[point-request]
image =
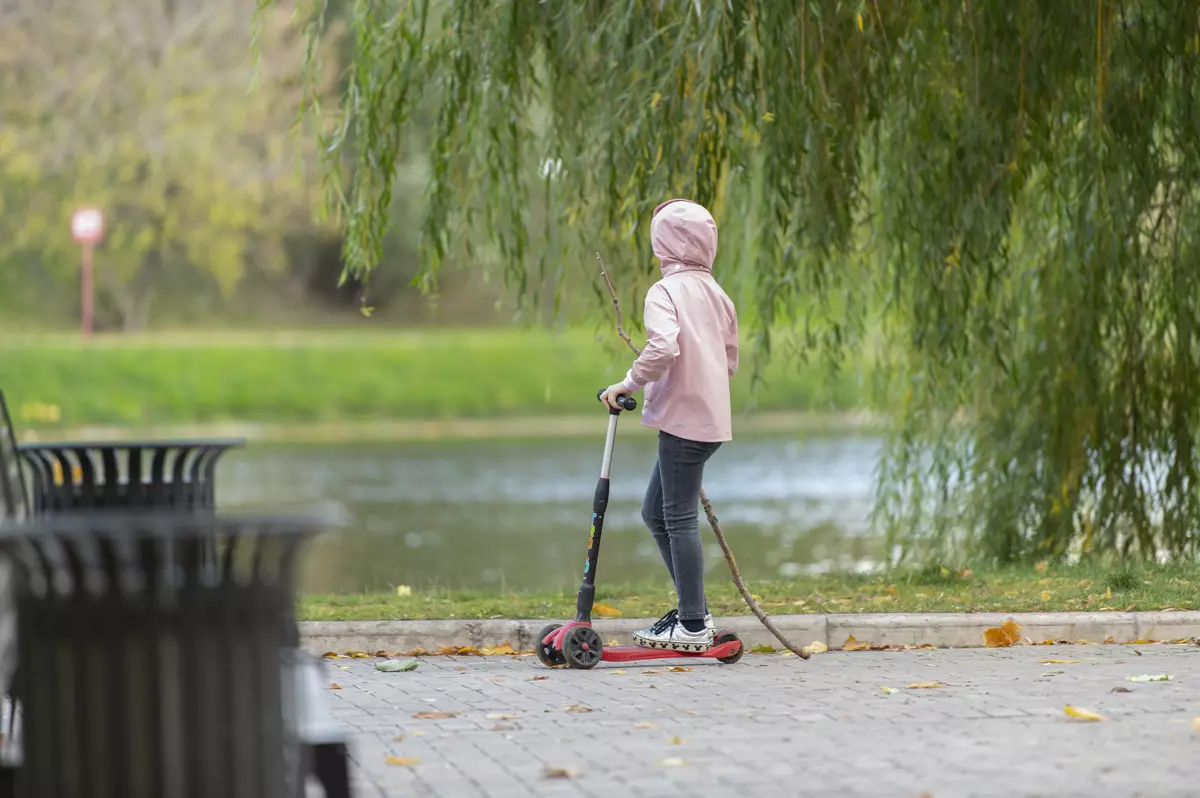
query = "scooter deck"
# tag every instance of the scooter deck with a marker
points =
(635, 653)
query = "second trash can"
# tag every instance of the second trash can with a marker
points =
(152, 669)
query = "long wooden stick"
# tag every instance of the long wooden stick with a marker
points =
(704, 502)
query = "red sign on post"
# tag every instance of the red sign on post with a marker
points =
(87, 227)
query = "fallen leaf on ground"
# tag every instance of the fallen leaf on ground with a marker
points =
(1146, 677)
(1082, 714)
(399, 738)
(332, 655)
(1058, 661)
(417, 733)
(1109, 640)
(1120, 690)
(493, 651)
(672, 762)
(649, 673)
(501, 716)
(335, 686)
(816, 647)
(617, 672)
(675, 741)
(396, 665)
(578, 708)
(761, 649)
(461, 668)
(605, 611)
(644, 725)
(401, 761)
(1053, 673)
(1002, 636)
(359, 655)
(786, 654)
(613, 642)
(343, 668)
(462, 651)
(417, 652)
(854, 645)
(561, 773)
(436, 715)
(925, 685)
(1196, 725)
(677, 668)
(502, 728)
(890, 690)
(539, 678)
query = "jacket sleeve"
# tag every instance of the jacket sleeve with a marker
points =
(662, 340)
(731, 342)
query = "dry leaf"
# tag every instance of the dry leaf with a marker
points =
(399, 738)
(925, 685)
(359, 654)
(1196, 725)
(1109, 640)
(762, 649)
(335, 686)
(644, 725)
(649, 673)
(786, 654)
(343, 668)
(1002, 636)
(618, 672)
(332, 655)
(675, 741)
(1012, 629)
(561, 773)
(436, 715)
(815, 647)
(677, 668)
(1146, 677)
(416, 652)
(500, 716)
(578, 708)
(672, 762)
(417, 734)
(1058, 661)
(890, 690)
(1120, 690)
(1082, 714)
(539, 678)
(401, 761)
(605, 611)
(493, 651)
(854, 645)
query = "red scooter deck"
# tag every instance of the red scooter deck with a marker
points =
(635, 653)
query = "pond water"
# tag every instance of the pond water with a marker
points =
(515, 514)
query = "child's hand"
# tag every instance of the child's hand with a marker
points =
(612, 393)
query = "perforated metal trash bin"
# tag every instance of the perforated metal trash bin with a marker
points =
(152, 670)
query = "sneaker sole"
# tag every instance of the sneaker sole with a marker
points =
(694, 648)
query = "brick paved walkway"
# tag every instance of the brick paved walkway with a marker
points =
(773, 726)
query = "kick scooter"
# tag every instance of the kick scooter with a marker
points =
(576, 643)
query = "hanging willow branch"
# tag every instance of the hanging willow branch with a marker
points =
(999, 197)
(709, 513)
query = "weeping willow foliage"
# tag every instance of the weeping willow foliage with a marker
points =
(1007, 187)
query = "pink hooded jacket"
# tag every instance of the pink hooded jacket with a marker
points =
(691, 331)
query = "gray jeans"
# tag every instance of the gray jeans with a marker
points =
(671, 511)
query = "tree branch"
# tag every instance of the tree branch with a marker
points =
(704, 502)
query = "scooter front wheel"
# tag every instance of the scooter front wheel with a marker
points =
(730, 637)
(546, 653)
(583, 647)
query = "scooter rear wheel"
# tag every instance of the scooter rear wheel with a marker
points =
(548, 654)
(729, 637)
(583, 647)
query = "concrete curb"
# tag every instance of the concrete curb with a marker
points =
(945, 630)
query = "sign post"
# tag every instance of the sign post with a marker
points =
(87, 228)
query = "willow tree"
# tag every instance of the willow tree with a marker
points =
(1007, 188)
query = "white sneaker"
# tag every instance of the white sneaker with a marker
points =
(708, 623)
(668, 633)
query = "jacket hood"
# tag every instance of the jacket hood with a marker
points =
(683, 236)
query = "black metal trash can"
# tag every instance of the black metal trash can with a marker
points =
(151, 669)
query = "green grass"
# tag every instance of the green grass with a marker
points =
(348, 376)
(1084, 588)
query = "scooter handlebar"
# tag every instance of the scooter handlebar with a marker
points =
(626, 402)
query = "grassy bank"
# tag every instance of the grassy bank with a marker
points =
(331, 377)
(1083, 588)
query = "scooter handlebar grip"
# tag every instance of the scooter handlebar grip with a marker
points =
(626, 402)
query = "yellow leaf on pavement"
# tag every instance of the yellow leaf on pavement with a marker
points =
(605, 611)
(644, 725)
(1082, 714)
(816, 647)
(402, 761)
(925, 685)
(890, 690)
(675, 741)
(578, 708)
(1058, 661)
(560, 773)
(854, 645)
(677, 668)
